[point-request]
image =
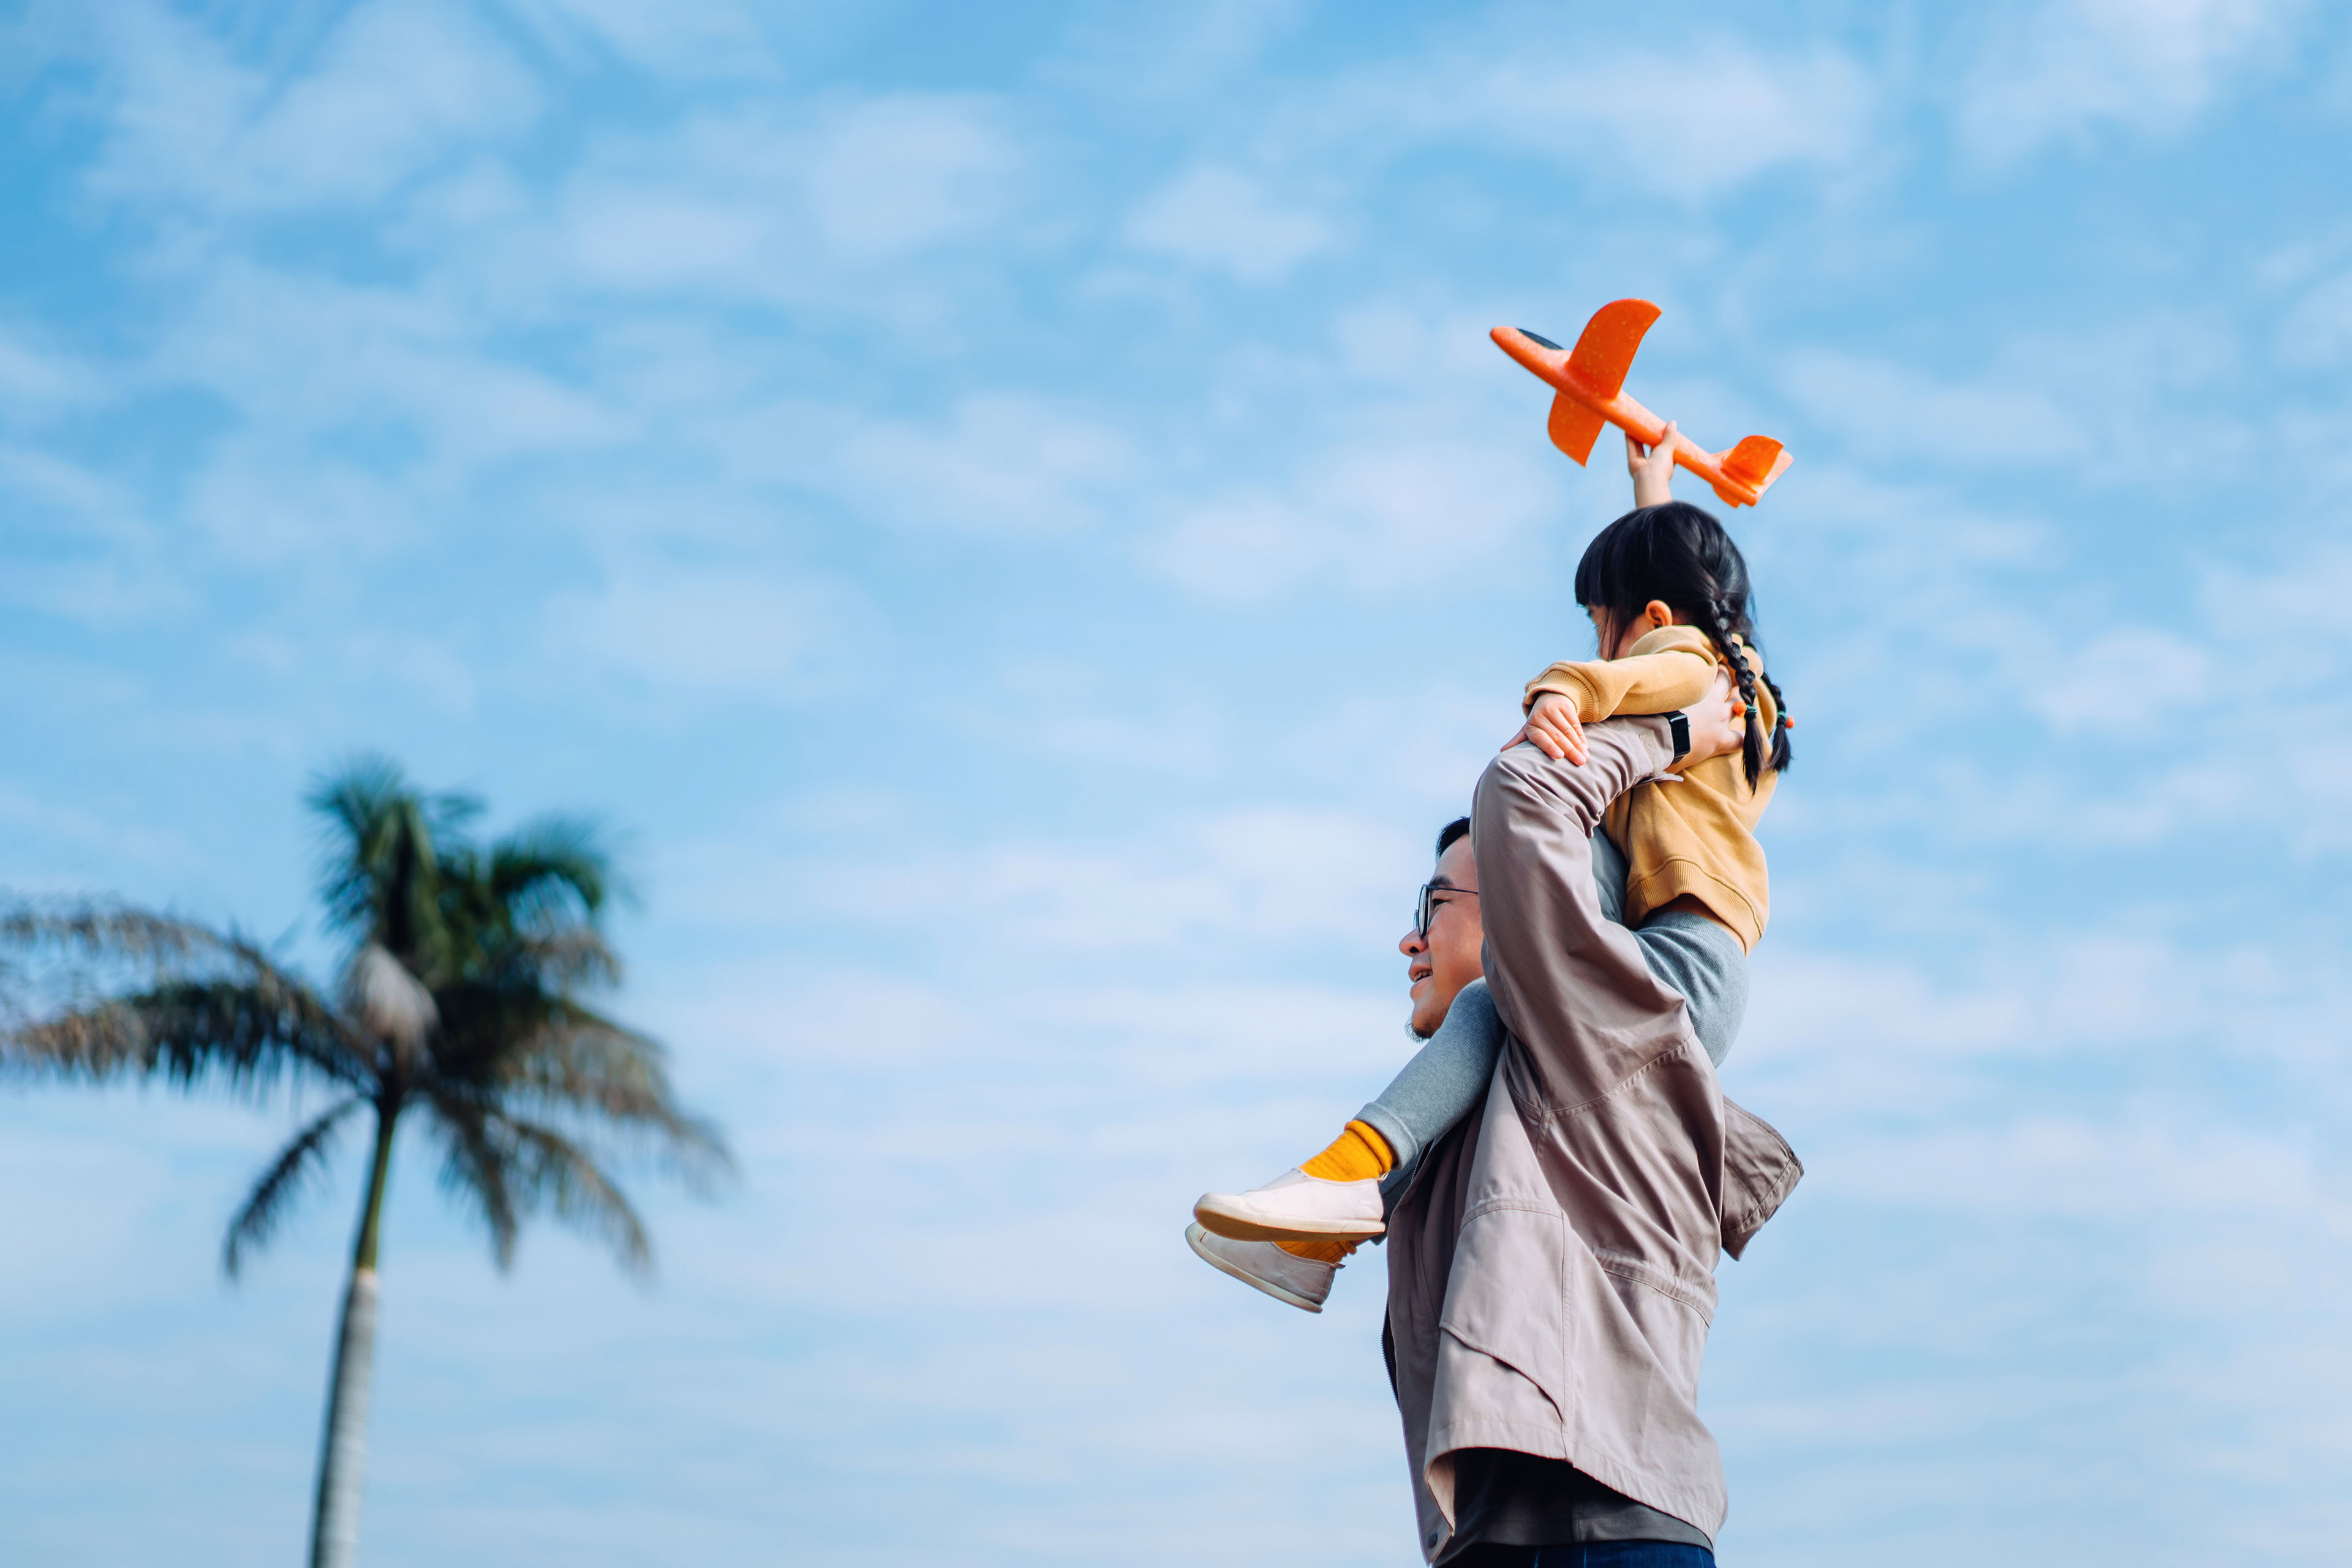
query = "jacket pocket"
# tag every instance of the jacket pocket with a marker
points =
(1697, 1294)
(1508, 1296)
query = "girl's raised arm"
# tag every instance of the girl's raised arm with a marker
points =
(1653, 469)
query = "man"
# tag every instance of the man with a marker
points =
(1528, 1347)
(1552, 1266)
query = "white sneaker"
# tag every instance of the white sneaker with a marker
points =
(1294, 1206)
(1301, 1281)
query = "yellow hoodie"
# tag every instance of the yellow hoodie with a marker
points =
(1696, 836)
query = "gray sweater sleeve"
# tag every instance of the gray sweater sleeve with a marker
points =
(1689, 953)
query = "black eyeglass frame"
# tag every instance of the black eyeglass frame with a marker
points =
(1427, 907)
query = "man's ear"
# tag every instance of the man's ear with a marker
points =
(1657, 615)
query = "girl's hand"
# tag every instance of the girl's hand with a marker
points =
(1718, 724)
(1552, 726)
(1653, 469)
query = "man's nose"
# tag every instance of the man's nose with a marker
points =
(1412, 943)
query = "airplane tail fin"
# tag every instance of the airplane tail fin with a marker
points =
(1574, 427)
(1752, 466)
(1605, 352)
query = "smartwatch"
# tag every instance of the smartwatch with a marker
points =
(1679, 722)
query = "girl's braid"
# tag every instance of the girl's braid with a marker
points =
(1723, 615)
(1780, 727)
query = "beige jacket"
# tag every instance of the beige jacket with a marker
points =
(1696, 836)
(1552, 1266)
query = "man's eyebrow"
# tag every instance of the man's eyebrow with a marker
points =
(1442, 885)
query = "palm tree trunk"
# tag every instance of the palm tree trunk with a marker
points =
(342, 1454)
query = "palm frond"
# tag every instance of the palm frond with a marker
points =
(552, 870)
(557, 1172)
(578, 1064)
(90, 933)
(478, 1165)
(570, 960)
(104, 930)
(280, 1184)
(189, 1033)
(381, 864)
(216, 1006)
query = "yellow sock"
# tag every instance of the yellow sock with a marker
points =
(1358, 1154)
(1319, 1251)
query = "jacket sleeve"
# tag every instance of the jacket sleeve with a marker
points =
(1668, 669)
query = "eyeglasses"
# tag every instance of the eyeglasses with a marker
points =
(1428, 905)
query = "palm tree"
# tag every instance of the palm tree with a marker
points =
(462, 1006)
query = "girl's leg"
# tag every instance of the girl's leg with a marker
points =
(1706, 967)
(1440, 1085)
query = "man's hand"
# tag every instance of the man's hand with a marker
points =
(1653, 469)
(1718, 724)
(1552, 726)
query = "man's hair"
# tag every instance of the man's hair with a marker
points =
(1459, 828)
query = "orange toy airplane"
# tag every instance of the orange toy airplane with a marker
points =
(1590, 379)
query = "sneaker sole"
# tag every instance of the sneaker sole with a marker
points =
(1193, 1239)
(1236, 1223)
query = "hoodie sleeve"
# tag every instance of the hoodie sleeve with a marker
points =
(1668, 669)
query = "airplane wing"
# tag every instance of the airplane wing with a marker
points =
(1574, 426)
(1605, 352)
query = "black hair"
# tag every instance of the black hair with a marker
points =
(1452, 834)
(1678, 553)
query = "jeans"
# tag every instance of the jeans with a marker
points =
(1592, 1554)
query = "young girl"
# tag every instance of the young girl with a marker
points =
(1668, 594)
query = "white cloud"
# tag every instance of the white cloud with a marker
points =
(78, 545)
(307, 358)
(890, 174)
(776, 205)
(2318, 331)
(264, 504)
(2058, 71)
(1292, 877)
(397, 84)
(2069, 1168)
(997, 464)
(1171, 53)
(38, 383)
(1366, 514)
(1689, 123)
(707, 630)
(1219, 218)
(1889, 413)
(661, 236)
(2122, 683)
(715, 40)
(2145, 400)
(65, 829)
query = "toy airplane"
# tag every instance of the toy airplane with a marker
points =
(1591, 380)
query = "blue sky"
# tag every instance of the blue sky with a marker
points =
(1012, 513)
